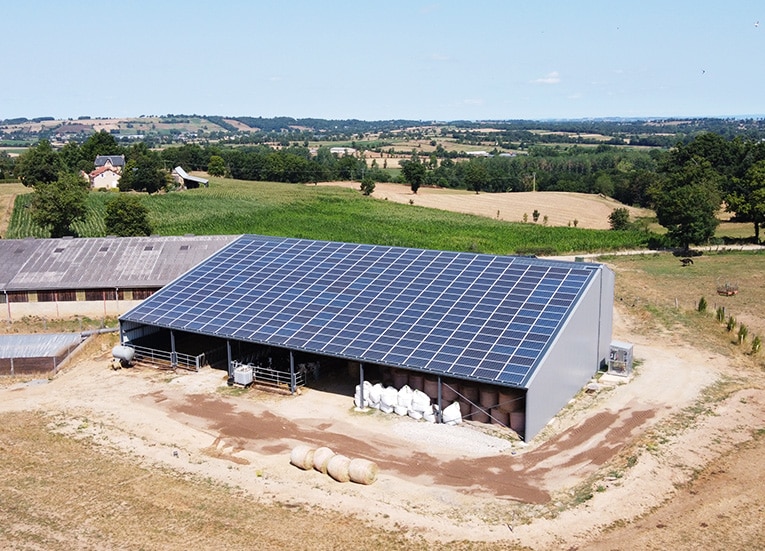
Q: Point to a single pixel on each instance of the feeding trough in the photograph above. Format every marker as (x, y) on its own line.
(727, 289)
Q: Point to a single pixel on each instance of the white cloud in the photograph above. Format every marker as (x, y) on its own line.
(472, 101)
(439, 57)
(549, 78)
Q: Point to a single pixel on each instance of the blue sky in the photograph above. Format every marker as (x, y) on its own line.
(430, 60)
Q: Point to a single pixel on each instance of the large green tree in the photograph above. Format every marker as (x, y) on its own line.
(413, 172)
(39, 164)
(687, 201)
(216, 166)
(59, 204)
(143, 173)
(126, 216)
(747, 198)
(99, 143)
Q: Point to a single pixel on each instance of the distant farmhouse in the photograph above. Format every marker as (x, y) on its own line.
(186, 180)
(107, 172)
(104, 177)
(113, 161)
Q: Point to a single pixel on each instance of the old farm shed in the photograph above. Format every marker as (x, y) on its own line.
(533, 330)
(36, 353)
(105, 275)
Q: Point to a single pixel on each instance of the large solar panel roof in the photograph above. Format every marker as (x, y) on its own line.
(471, 316)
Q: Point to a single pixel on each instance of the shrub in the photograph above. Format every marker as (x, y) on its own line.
(743, 331)
(367, 185)
(720, 314)
(702, 307)
(619, 219)
(756, 344)
(731, 323)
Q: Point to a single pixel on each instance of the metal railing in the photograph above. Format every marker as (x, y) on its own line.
(168, 360)
(270, 376)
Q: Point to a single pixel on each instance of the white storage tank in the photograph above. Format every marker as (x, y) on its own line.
(123, 353)
(243, 375)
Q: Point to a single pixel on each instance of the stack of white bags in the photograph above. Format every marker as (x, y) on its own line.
(405, 401)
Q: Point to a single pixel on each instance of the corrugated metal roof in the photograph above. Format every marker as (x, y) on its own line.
(101, 262)
(186, 176)
(37, 345)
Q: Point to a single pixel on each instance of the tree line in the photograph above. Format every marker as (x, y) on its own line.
(686, 185)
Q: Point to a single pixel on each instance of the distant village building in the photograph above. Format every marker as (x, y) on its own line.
(105, 177)
(342, 151)
(186, 180)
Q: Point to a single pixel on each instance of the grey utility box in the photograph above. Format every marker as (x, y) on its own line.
(620, 358)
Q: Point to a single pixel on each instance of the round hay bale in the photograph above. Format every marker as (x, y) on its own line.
(478, 414)
(500, 417)
(302, 457)
(363, 471)
(337, 468)
(321, 457)
(488, 397)
(400, 377)
(470, 392)
(449, 390)
(430, 387)
(511, 400)
(416, 381)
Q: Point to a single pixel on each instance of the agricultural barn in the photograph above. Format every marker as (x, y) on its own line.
(54, 277)
(530, 331)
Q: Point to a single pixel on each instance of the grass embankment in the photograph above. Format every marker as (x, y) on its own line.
(322, 212)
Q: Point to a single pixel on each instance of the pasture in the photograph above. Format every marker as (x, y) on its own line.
(230, 207)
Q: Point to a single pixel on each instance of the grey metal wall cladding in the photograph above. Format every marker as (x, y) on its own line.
(574, 357)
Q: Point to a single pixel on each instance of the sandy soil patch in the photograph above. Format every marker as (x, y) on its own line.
(560, 208)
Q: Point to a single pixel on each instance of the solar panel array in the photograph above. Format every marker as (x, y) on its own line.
(466, 315)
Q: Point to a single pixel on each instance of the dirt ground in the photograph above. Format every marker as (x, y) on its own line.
(625, 459)
(561, 208)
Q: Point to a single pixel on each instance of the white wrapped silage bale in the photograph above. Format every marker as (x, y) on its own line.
(400, 410)
(357, 397)
(414, 414)
(388, 398)
(429, 416)
(452, 414)
(405, 396)
(420, 401)
(375, 393)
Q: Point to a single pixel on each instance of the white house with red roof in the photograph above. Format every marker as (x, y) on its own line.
(104, 177)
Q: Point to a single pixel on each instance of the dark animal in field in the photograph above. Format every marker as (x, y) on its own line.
(686, 261)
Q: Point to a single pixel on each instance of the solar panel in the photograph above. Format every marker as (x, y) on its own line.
(461, 314)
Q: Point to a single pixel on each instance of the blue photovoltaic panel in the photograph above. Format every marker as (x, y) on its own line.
(468, 315)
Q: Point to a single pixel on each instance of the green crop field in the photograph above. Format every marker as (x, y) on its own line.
(324, 212)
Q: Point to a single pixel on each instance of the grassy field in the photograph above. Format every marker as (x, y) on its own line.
(657, 287)
(323, 212)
